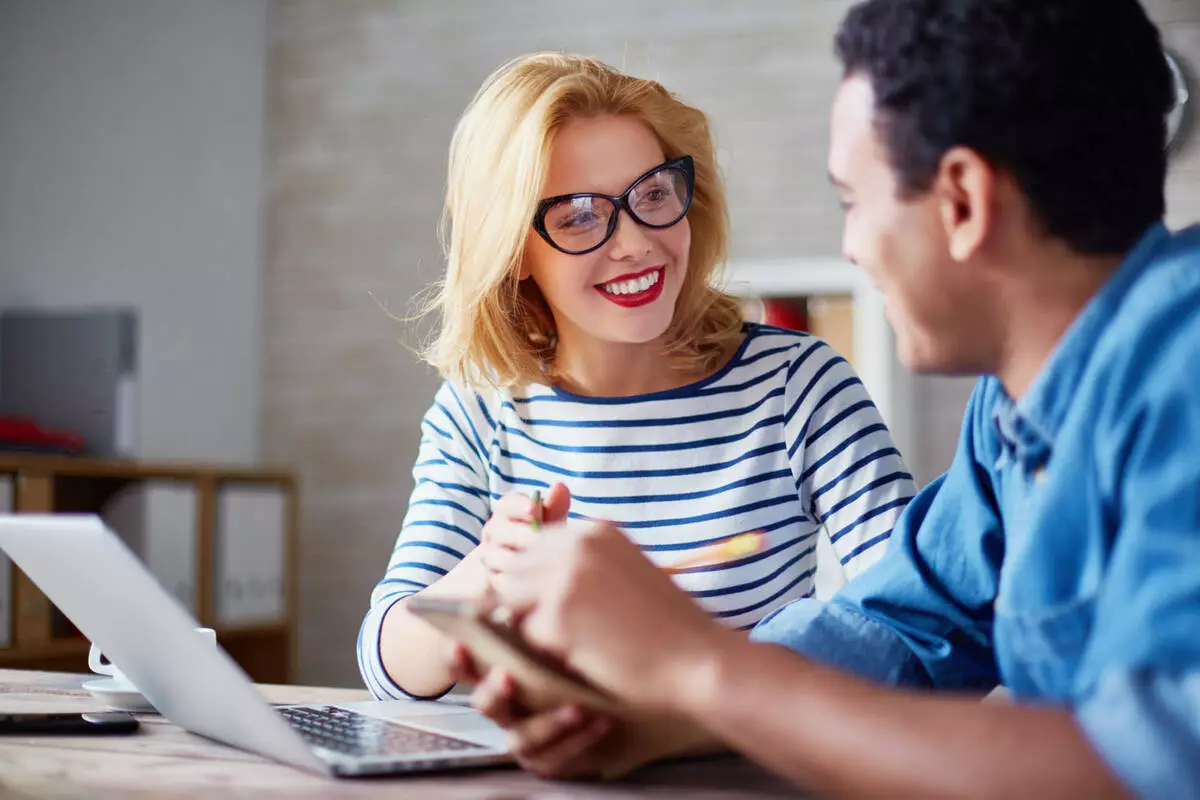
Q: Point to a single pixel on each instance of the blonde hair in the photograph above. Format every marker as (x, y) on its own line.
(495, 328)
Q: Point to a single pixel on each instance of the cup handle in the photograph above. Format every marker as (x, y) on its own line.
(96, 663)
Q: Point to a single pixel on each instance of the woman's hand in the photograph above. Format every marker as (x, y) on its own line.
(511, 524)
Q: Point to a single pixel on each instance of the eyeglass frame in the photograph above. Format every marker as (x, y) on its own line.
(684, 164)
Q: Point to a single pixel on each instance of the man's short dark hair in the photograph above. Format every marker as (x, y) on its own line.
(1068, 96)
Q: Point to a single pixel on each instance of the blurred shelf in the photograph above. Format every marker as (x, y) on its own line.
(45, 484)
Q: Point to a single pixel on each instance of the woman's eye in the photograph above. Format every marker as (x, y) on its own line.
(579, 220)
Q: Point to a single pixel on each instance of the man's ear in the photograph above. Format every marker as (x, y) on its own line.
(965, 187)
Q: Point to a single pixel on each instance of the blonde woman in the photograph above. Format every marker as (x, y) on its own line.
(584, 344)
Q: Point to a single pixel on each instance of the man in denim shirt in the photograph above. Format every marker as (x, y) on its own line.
(1001, 164)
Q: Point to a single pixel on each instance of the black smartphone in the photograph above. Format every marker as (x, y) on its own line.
(92, 723)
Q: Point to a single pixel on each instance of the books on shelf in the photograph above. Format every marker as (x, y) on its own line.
(251, 535)
(157, 520)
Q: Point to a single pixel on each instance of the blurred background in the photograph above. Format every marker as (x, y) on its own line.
(254, 188)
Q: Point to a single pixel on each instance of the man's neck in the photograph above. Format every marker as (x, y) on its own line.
(1046, 297)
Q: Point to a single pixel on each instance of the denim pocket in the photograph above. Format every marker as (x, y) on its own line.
(1046, 644)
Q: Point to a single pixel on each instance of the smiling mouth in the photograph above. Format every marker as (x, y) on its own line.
(633, 290)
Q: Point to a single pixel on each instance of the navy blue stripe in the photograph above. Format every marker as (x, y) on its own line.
(456, 460)
(755, 606)
(417, 565)
(478, 439)
(449, 504)
(899, 502)
(438, 546)
(433, 462)
(437, 430)
(837, 420)
(515, 481)
(405, 581)
(835, 452)
(853, 468)
(700, 393)
(455, 487)
(835, 391)
(745, 587)
(709, 517)
(643, 473)
(799, 362)
(766, 353)
(648, 448)
(483, 410)
(808, 387)
(875, 484)
(697, 495)
(867, 545)
(698, 543)
(446, 526)
(461, 434)
(655, 422)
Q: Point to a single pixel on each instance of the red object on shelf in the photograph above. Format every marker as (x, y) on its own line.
(784, 314)
(24, 434)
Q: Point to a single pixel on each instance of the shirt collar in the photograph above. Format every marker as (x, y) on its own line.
(1029, 426)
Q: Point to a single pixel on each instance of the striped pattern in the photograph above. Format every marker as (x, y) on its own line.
(783, 440)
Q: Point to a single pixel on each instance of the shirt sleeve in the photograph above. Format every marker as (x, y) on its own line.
(1141, 712)
(449, 504)
(923, 615)
(849, 474)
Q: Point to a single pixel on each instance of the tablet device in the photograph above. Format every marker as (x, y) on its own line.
(544, 683)
(638, 737)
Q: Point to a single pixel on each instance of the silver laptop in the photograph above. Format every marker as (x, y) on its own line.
(102, 587)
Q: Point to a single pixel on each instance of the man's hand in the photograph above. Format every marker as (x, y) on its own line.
(586, 594)
(562, 743)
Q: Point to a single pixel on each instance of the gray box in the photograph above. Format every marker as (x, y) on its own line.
(73, 370)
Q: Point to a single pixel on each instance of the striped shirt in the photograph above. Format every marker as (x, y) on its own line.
(784, 440)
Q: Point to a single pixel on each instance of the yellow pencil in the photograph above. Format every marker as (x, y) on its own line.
(743, 544)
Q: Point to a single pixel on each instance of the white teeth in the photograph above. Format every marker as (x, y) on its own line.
(634, 285)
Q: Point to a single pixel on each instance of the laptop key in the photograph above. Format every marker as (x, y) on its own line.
(352, 733)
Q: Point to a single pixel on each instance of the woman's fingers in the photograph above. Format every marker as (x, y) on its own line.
(557, 503)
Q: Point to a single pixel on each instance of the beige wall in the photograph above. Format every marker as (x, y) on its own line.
(131, 171)
(364, 98)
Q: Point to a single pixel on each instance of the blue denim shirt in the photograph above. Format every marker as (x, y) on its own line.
(1060, 554)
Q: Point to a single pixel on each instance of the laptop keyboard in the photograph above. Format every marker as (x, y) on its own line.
(355, 734)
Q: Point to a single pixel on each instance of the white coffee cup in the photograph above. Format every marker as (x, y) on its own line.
(99, 664)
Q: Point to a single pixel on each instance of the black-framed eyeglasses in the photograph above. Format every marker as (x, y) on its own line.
(579, 223)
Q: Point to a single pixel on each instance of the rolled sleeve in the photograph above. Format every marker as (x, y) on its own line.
(1146, 727)
(370, 659)
(838, 636)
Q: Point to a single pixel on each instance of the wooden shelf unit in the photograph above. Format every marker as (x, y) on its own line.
(60, 484)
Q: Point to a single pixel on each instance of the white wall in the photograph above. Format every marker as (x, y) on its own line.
(131, 160)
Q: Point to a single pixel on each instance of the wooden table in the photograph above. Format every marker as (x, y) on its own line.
(165, 761)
